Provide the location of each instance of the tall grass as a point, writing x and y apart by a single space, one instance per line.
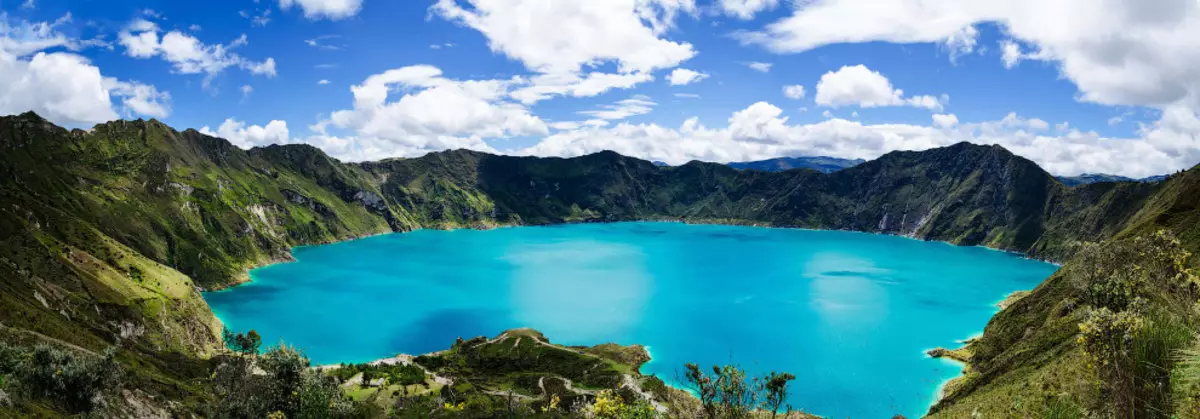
1155 350
1185 383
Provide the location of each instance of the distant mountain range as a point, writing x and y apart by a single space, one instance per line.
819 163
1090 178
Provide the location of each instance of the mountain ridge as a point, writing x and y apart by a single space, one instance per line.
132 217
822 164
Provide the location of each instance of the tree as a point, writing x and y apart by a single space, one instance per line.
729 394
776 388
704 388
249 343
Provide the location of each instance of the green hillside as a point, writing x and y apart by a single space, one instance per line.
108 235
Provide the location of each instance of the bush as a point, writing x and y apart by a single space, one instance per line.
77 383
286 385
1116 274
1107 339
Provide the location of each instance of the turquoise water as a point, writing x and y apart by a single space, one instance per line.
850 314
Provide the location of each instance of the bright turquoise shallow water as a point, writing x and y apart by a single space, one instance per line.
850 314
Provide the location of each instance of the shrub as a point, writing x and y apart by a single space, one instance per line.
1106 338
285 385
1116 274
77 383
729 394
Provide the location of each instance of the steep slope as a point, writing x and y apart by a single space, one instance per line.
1029 352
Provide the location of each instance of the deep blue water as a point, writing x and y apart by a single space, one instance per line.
849 314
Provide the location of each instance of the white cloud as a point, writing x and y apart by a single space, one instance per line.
22 37
759 66
860 86
962 42
544 86
275 132
63 87
572 38
746 9
247 90
324 42
322 82
794 91
760 131
430 113
1010 53
683 76
188 55
687 95
140 99
1117 52
945 121
324 9
637 105
259 20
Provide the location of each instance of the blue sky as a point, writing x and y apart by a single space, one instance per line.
876 76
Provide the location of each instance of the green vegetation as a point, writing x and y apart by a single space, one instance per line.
728 394
107 237
279 383
75 383
391 374
246 344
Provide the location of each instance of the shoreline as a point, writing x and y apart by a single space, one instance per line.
939 393
244 276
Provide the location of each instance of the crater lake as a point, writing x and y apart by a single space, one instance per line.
850 314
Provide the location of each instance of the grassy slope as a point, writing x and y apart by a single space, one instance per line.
115 227
1027 353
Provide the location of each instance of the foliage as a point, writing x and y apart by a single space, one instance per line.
1185 380
610 405
393 374
727 393
79 383
246 344
776 392
285 385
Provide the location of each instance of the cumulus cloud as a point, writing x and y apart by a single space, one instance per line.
860 86
945 121
324 9
143 39
140 99
962 42
746 9
760 131
63 87
683 76
1117 52
241 135
413 110
794 91
1010 53
572 38
759 66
